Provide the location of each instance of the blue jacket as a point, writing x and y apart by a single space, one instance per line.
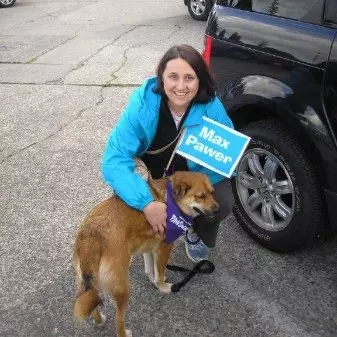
133 135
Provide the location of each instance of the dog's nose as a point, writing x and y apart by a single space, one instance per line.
215 208
211 215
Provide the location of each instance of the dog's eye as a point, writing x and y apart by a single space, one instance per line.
201 196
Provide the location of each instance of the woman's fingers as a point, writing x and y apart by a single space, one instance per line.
161 228
155 213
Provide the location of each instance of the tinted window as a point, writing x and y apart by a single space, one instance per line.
330 13
304 10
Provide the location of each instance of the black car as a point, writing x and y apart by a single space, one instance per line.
199 9
275 63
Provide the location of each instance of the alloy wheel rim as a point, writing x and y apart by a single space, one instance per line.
198 6
6 2
265 190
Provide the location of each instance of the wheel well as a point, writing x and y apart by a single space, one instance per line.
248 114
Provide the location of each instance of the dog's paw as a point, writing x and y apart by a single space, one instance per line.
128 333
101 322
78 323
165 287
151 277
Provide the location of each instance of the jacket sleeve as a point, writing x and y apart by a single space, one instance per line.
216 111
125 141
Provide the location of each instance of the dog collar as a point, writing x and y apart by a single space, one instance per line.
176 222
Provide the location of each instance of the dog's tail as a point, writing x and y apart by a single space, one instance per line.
87 256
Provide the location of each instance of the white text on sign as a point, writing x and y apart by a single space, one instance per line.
210 135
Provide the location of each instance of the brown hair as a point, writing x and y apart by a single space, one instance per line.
206 90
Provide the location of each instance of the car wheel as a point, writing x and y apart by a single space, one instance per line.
7 3
278 200
199 9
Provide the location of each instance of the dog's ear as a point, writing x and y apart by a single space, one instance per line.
180 189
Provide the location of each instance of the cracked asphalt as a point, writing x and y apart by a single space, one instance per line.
67 69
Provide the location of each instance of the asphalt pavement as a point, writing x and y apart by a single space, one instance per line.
67 69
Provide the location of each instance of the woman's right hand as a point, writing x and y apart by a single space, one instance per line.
155 214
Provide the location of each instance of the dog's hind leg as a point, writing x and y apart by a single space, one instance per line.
149 266
162 257
85 303
116 282
87 297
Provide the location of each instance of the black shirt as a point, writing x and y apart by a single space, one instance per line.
166 132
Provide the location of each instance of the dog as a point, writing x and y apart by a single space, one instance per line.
113 232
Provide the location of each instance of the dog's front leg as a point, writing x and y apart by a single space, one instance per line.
162 257
149 266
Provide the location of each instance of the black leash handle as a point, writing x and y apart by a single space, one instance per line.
202 267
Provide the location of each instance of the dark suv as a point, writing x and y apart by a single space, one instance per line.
275 63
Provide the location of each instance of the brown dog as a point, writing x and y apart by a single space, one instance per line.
112 232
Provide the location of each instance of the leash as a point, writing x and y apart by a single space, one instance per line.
202 267
166 146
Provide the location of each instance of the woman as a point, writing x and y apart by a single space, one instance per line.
178 97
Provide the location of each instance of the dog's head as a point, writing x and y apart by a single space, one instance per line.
193 192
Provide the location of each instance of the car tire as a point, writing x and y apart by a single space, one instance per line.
6 3
199 9
278 200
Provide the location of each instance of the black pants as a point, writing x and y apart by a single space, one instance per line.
208 230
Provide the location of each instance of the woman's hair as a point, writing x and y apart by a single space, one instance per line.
206 90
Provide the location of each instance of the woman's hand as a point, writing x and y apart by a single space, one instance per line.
155 214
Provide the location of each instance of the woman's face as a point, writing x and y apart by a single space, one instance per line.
181 84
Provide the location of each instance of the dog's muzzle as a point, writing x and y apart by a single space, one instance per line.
210 216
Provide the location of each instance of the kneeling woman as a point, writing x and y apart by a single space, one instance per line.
178 97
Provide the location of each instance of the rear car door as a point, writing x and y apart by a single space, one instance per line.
330 88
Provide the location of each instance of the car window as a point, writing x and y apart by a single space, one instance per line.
304 10
330 12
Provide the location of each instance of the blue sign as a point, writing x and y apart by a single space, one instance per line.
214 146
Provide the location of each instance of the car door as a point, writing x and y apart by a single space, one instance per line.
253 39
330 88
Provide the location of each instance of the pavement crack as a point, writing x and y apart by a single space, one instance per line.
125 58
12 62
77 116
62 127
67 10
100 97
113 75
84 62
99 101
18 151
32 60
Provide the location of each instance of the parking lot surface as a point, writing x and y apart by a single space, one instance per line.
67 69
